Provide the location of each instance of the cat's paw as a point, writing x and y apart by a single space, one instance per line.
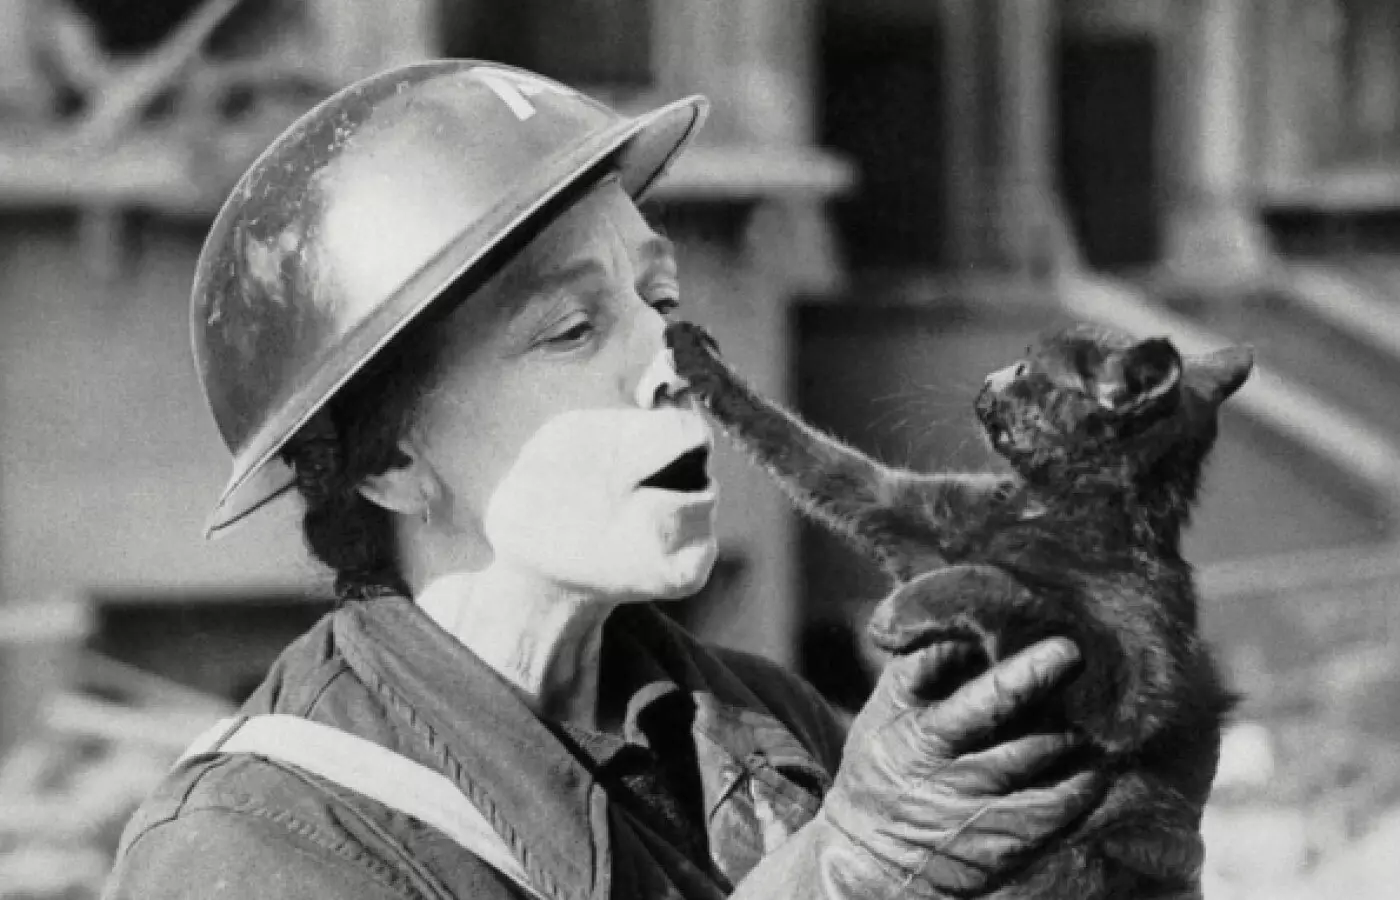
695 354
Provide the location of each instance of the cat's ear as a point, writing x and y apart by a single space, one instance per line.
1218 375
1138 376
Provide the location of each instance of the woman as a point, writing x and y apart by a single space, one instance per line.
433 308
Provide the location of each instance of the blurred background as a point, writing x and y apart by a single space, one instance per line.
891 199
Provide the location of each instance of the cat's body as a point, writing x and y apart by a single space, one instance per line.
1108 438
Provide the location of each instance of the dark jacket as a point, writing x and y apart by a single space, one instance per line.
764 742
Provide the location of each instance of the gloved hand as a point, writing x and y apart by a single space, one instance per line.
925 789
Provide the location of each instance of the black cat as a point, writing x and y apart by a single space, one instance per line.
1107 437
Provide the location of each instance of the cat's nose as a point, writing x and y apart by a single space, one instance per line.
1001 379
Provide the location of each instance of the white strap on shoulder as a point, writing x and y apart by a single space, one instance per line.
370 770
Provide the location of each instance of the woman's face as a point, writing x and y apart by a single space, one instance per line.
550 411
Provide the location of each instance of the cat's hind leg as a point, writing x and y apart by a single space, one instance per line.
982 605
978 603
990 607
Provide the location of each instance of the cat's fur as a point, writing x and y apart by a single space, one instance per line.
1107 437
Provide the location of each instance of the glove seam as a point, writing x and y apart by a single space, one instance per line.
899 876
941 847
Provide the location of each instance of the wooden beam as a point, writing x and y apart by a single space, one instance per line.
121 103
756 172
102 241
154 172
147 171
1342 300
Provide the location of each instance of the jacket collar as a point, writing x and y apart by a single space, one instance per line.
473 726
478 732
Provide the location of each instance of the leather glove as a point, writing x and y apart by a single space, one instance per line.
928 791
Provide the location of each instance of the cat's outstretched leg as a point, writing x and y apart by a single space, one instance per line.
903 518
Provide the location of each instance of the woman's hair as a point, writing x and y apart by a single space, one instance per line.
357 434
354 437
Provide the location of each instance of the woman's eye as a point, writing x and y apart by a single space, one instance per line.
576 333
665 303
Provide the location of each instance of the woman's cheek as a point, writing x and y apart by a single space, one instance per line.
568 508
549 506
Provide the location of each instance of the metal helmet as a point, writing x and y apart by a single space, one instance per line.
362 213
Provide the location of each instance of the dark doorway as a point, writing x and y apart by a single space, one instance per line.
1107 161
593 43
880 104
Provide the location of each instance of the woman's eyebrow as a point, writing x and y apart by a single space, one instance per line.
578 270
656 250
530 290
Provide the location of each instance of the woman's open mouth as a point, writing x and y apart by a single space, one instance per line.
686 473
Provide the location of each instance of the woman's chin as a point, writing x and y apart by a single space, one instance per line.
685 571
633 571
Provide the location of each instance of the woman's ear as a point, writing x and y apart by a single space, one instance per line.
1139 375
408 487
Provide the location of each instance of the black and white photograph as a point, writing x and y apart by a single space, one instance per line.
699 449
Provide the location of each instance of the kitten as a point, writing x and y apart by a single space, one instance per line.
1107 437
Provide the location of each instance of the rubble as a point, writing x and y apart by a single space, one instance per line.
94 753
1322 821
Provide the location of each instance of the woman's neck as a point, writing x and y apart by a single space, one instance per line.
542 639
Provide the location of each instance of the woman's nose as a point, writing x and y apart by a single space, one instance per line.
659 382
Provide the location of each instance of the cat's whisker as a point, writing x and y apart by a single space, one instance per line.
878 423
